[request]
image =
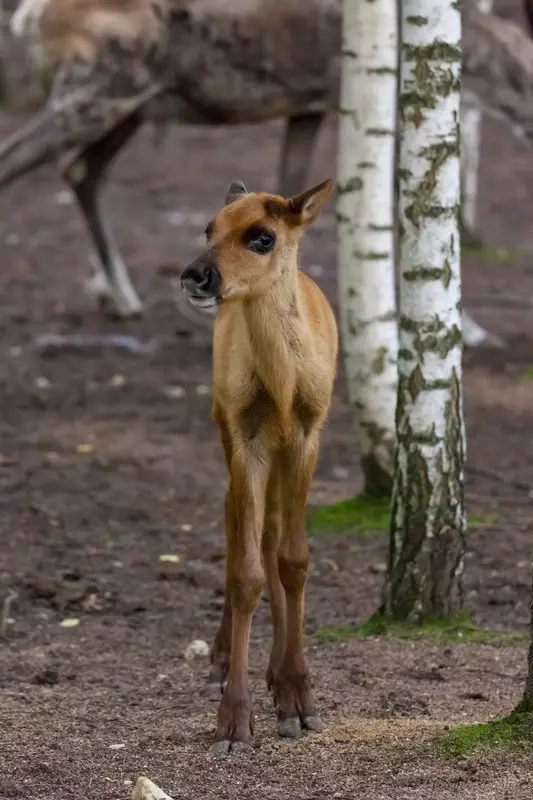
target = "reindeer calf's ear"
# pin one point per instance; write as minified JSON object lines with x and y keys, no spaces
{"x":236,"y":190}
{"x":308,"y":205}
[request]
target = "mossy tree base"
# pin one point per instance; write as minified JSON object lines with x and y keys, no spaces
{"x":513,"y":731}
{"x":363,"y":516}
{"x":458,"y":629}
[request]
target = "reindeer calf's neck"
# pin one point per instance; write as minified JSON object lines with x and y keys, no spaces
{"x":277,"y":371}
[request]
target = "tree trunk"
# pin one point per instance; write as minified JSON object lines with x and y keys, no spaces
{"x":471,"y":119}
{"x":527,"y":702}
{"x":365,"y":200}
{"x":428,"y":519}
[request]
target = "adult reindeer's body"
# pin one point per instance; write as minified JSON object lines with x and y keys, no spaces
{"x":121,"y":62}
{"x":274,"y":362}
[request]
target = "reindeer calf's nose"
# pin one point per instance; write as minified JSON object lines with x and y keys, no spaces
{"x":200,"y":279}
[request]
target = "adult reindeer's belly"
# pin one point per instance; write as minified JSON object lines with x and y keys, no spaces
{"x":239,"y":68}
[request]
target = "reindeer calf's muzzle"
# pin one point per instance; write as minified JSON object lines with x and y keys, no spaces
{"x":201,"y":283}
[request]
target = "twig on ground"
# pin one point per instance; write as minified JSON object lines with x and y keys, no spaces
{"x":6,"y":612}
{"x":88,"y":341}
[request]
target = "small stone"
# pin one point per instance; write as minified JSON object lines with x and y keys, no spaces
{"x":203,"y":390}
{"x":196,"y":649}
{"x":117,"y":381}
{"x":117,"y":746}
{"x":174,"y":392}
{"x":64,"y":198}
{"x":42,"y":383}
{"x":186,"y":527}
{"x":341,"y":473}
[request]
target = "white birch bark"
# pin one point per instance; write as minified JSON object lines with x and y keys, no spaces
{"x":471,"y":124}
{"x":471,"y":119}
{"x":365,"y":201}
{"x":428,"y":520}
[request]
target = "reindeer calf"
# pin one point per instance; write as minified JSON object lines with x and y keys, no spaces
{"x":274,"y":362}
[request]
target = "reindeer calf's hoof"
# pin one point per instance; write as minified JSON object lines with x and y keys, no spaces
{"x":313,"y":723}
{"x":225,"y":747}
{"x":291,"y":727}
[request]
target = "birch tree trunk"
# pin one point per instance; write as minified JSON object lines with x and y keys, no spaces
{"x":428,"y":519}
{"x":365,"y":208}
{"x":471,"y":119}
{"x":527,"y":702}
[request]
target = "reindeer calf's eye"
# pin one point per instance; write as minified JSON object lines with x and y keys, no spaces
{"x":260,"y":240}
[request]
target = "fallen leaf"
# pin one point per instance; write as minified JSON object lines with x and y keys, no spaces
{"x":84,"y":448}
{"x":117,"y":381}
{"x":170,"y":557}
{"x":70,"y":622}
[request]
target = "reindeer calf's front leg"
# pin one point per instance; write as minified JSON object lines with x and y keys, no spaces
{"x":293,"y":695}
{"x":244,"y":581}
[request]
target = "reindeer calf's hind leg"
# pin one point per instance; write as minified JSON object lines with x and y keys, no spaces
{"x":276,"y":592}
{"x":85,"y":174}
{"x":292,"y":691}
{"x":220,"y":653}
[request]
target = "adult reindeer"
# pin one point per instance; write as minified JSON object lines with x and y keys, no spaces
{"x":119,"y":63}
{"x":274,"y":362}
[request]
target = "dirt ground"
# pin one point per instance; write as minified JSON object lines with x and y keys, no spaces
{"x":109,"y":460}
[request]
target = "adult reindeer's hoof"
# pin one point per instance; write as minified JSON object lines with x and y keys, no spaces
{"x":114,"y":304}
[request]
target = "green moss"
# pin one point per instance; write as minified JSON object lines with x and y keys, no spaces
{"x":461,"y":629}
{"x":512,"y":731}
{"x":500,"y":255}
{"x":363,"y":516}
{"x":528,"y":373}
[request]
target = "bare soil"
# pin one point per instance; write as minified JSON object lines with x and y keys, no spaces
{"x":105,"y":465}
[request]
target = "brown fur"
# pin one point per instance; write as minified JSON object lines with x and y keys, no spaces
{"x":71,"y":28}
{"x":77,"y":28}
{"x":274,"y":362}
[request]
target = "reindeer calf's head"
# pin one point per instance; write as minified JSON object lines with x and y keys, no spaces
{"x":251,"y":243}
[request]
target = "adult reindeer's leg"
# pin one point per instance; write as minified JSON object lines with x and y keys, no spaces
{"x":245,"y":577}
{"x":293,"y":694}
{"x":85,"y":175}
{"x":299,"y":140}
{"x":276,"y":592}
